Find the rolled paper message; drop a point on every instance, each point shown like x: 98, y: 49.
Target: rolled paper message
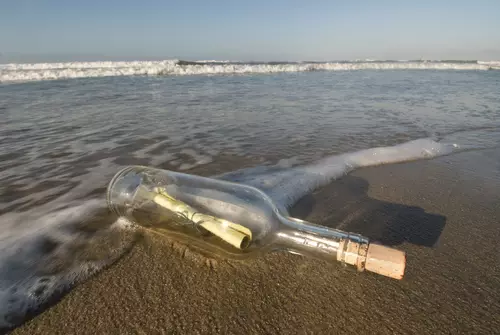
x: 232, y: 233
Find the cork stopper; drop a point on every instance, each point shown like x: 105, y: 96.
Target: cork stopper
x: 385, y: 261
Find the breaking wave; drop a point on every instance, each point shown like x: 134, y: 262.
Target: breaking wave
x: 51, y: 71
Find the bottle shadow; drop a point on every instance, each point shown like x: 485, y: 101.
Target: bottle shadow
x: 345, y: 205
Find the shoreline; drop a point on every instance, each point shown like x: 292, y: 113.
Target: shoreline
x: 442, y: 212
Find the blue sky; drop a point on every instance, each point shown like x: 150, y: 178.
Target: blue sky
x: 249, y: 30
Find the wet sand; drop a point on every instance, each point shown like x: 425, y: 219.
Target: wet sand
x: 444, y: 213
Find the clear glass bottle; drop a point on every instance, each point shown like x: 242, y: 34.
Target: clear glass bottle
x: 232, y: 220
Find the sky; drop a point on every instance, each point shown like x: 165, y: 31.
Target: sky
x: 65, y: 30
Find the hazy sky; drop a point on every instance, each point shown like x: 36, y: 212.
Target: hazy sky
x: 249, y: 30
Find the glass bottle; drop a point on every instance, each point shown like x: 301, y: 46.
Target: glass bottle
x: 233, y: 220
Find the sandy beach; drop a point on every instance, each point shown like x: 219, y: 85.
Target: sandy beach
x: 442, y: 212
x: 369, y: 118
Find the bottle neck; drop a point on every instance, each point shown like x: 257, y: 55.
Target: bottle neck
x: 301, y: 237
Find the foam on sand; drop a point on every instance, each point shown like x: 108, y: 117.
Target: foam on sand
x: 43, y: 254
x: 46, y: 250
x: 286, y: 186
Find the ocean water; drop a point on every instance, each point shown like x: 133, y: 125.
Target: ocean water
x: 67, y: 128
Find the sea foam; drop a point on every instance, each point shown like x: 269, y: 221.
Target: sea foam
x: 287, y: 185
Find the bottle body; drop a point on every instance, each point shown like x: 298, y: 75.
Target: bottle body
x: 225, y: 219
x: 231, y: 220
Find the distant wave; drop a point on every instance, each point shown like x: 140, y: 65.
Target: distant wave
x: 50, y: 71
